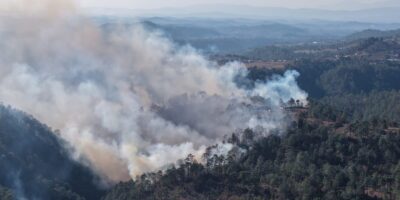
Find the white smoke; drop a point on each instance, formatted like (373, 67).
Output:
(127, 101)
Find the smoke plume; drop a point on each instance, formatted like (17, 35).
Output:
(126, 100)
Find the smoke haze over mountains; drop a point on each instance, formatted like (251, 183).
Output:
(376, 14)
(307, 4)
(126, 101)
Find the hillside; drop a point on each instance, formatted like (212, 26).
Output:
(35, 165)
(359, 77)
(373, 33)
(318, 158)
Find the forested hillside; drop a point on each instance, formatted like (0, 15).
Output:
(359, 77)
(318, 158)
(34, 163)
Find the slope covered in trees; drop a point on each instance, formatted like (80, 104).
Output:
(316, 159)
(362, 79)
(35, 165)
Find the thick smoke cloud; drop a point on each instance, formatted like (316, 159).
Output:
(127, 101)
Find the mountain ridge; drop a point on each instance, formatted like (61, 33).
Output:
(382, 15)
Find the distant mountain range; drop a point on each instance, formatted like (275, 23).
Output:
(213, 35)
(377, 15)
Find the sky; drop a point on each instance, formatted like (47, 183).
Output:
(319, 4)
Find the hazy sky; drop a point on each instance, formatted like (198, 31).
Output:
(324, 4)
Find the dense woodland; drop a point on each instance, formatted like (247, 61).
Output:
(344, 145)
